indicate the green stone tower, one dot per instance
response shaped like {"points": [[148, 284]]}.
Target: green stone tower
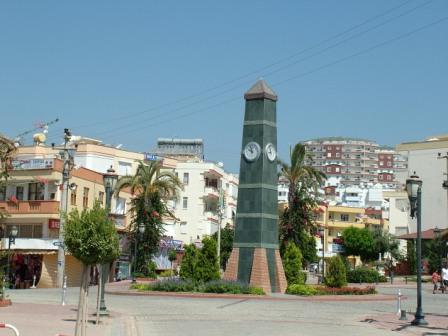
{"points": [[255, 257]]}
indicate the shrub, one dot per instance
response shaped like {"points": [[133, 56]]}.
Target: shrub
{"points": [[364, 274], [298, 289], [232, 287], [346, 290], [336, 276], [167, 273], [201, 265], [151, 267], [171, 285], [292, 264]]}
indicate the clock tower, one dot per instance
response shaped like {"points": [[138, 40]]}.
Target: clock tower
{"points": [[255, 257]]}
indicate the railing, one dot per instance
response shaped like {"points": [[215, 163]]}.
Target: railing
{"points": [[212, 191], [25, 207]]}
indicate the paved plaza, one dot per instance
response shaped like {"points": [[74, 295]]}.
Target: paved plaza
{"points": [[38, 312]]}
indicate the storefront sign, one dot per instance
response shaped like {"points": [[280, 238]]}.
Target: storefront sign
{"points": [[32, 164], [53, 223]]}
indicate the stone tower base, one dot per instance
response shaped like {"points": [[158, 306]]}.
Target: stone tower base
{"points": [[264, 272]]}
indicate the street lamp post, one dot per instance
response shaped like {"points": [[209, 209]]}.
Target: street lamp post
{"points": [[110, 181], [11, 240], [414, 190], [141, 230]]}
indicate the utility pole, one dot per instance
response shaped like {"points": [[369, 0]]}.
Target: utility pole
{"points": [[445, 181], [67, 154], [221, 215]]}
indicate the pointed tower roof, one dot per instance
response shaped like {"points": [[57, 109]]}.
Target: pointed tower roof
{"points": [[260, 90]]}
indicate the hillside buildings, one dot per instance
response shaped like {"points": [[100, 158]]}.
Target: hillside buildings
{"points": [[351, 161]]}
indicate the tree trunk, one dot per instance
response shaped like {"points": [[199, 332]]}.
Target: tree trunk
{"points": [[80, 313], [86, 297], [98, 297]]}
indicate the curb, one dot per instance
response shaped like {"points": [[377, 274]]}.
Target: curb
{"points": [[317, 298]]}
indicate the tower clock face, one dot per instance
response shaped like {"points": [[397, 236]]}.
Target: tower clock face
{"points": [[271, 153], [252, 151]]}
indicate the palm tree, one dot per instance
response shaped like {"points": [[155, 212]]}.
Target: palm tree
{"points": [[299, 175], [151, 188], [297, 220]]}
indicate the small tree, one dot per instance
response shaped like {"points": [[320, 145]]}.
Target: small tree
{"points": [[336, 274], [189, 261], [91, 238], [207, 265], [292, 264], [227, 235], [200, 265], [359, 242], [172, 257]]}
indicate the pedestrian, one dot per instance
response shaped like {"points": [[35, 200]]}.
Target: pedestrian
{"points": [[445, 276], [435, 279]]}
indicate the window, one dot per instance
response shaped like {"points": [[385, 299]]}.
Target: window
{"points": [[27, 230], [380, 177], [185, 202], [183, 227], [186, 178], [85, 197], [73, 197], [120, 206], [381, 163], [338, 148], [329, 155], [328, 169], [19, 193], [124, 168], [338, 155], [389, 164], [389, 177], [381, 156], [36, 192], [101, 197], [344, 217], [337, 169]]}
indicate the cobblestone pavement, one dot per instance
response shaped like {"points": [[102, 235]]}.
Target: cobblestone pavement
{"points": [[37, 312]]}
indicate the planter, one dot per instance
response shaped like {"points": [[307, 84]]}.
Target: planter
{"points": [[5, 303]]}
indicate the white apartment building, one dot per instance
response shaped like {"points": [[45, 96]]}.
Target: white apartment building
{"points": [[208, 190], [424, 159]]}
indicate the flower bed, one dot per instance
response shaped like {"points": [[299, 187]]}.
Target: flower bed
{"points": [[216, 286], [307, 290]]}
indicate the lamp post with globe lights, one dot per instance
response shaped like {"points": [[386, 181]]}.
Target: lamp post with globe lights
{"points": [[414, 191], [110, 181], [11, 241]]}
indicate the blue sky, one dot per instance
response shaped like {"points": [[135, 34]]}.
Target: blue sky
{"points": [[129, 72]]}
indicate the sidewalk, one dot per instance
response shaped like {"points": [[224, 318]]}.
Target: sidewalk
{"points": [[437, 324], [48, 320]]}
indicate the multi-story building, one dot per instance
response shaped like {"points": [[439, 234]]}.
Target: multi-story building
{"points": [[335, 219], [428, 159], [350, 161], [32, 200], [208, 199]]}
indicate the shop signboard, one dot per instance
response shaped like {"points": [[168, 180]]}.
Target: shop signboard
{"points": [[32, 164], [53, 223]]}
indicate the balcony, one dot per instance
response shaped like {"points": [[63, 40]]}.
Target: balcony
{"points": [[30, 207], [30, 244], [211, 216], [211, 192]]}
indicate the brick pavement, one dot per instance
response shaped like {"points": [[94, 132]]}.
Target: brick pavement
{"points": [[47, 320]]}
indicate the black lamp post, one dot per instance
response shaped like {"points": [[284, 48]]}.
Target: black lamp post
{"points": [[110, 181], [141, 230], [11, 240], [414, 190]]}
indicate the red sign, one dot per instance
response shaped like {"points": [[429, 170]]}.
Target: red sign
{"points": [[53, 223]]}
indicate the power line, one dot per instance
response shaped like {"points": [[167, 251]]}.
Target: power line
{"points": [[251, 73], [162, 114], [327, 65]]}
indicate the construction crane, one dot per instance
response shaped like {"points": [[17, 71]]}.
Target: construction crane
{"points": [[40, 126]]}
